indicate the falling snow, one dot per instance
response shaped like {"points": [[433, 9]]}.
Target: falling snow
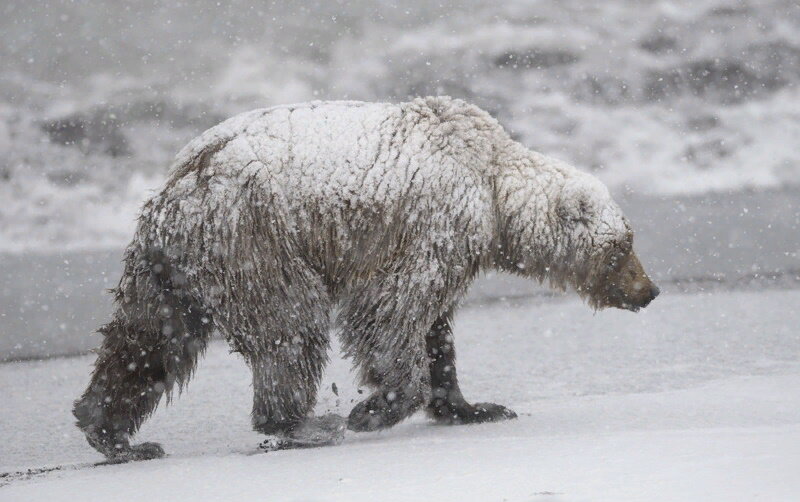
{"points": [[685, 111]]}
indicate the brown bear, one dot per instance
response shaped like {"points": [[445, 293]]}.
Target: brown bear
{"points": [[384, 213]]}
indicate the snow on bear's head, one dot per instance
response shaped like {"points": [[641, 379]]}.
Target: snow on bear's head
{"points": [[601, 262], [564, 228]]}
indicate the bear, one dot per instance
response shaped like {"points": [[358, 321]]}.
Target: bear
{"points": [[279, 222]]}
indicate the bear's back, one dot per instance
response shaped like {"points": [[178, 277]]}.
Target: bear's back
{"points": [[329, 155], [340, 177]]}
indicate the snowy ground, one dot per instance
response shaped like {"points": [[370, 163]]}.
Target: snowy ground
{"points": [[695, 398]]}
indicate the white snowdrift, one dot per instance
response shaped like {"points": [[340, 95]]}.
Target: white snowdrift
{"points": [[569, 450]]}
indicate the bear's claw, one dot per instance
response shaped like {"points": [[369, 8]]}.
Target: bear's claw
{"points": [[465, 413], [490, 412], [143, 451]]}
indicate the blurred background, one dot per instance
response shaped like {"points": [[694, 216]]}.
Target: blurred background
{"points": [[688, 110]]}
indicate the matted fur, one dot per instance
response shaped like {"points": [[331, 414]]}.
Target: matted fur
{"points": [[275, 217]]}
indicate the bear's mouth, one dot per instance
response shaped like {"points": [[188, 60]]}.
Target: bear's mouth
{"points": [[621, 300], [632, 308], [617, 298], [626, 305]]}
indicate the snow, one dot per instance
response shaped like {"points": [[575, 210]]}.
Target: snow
{"points": [[687, 111], [661, 97], [694, 398], [728, 464]]}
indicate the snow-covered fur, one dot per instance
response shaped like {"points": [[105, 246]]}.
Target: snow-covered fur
{"points": [[272, 219]]}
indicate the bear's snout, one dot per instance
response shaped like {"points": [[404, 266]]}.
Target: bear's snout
{"points": [[629, 287], [652, 294]]}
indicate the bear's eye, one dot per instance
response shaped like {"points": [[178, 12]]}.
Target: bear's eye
{"points": [[575, 211], [584, 212]]}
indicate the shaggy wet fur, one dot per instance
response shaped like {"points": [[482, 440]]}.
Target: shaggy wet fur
{"points": [[152, 344], [275, 217]]}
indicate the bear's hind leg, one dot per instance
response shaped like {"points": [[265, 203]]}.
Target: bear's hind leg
{"points": [[153, 342], [127, 384], [447, 404]]}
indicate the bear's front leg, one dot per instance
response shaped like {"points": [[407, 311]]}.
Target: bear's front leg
{"points": [[383, 331], [447, 404]]}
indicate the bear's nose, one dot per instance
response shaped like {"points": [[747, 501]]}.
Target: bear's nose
{"points": [[654, 291]]}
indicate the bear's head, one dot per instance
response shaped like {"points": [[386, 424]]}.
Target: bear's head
{"points": [[560, 225], [596, 241]]}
